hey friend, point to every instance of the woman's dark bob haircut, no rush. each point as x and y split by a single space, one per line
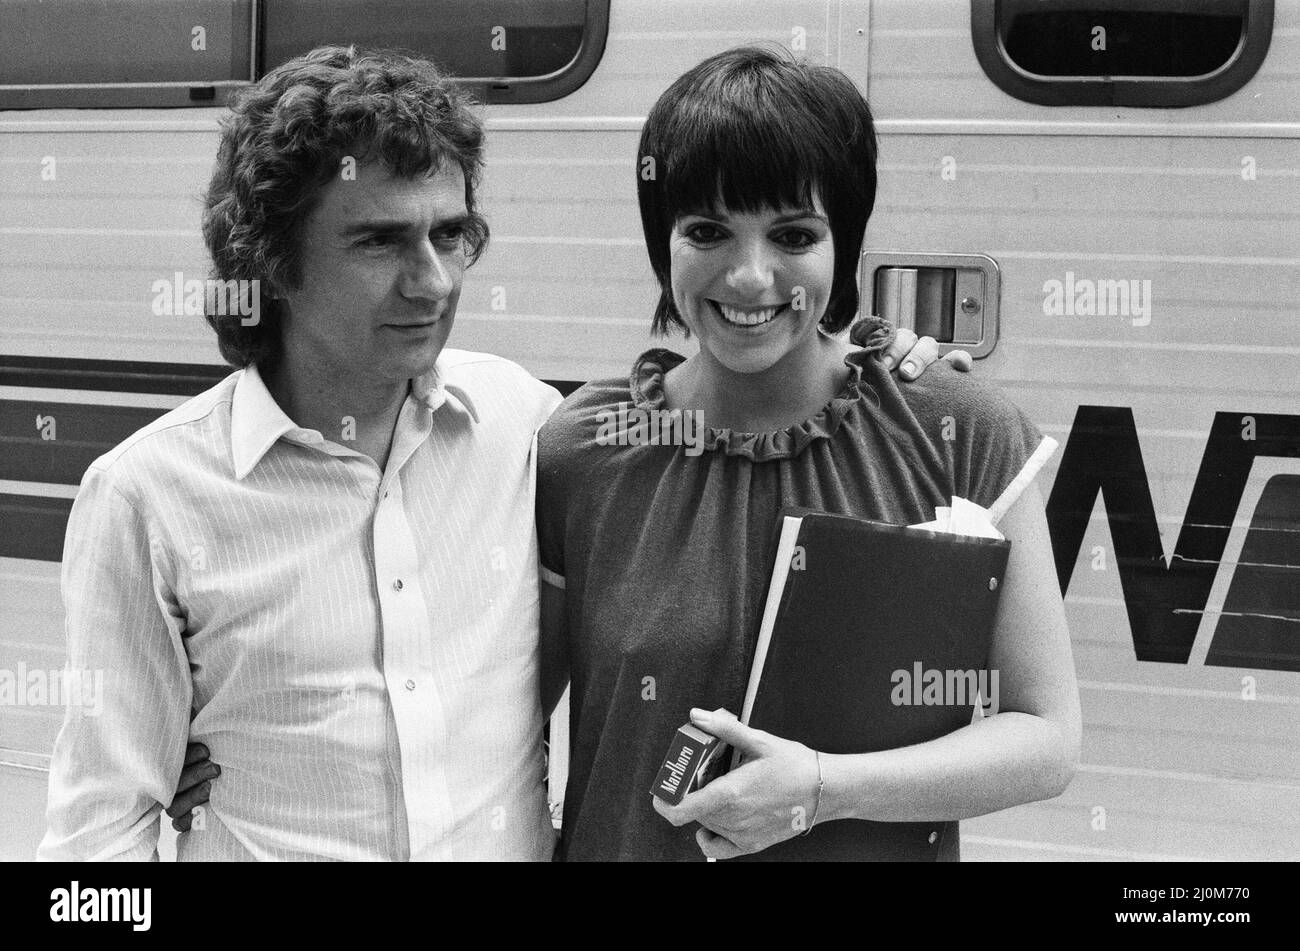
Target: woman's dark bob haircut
286 139
755 129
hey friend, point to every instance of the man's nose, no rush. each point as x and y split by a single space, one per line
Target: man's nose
751 272
428 273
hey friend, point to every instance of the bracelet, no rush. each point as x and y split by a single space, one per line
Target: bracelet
821 784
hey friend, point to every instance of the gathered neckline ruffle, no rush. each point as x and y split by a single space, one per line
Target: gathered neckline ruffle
871 334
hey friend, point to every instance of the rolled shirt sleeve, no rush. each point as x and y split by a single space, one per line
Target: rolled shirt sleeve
117 760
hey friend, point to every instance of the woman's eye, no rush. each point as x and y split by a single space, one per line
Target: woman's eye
797 239
703 233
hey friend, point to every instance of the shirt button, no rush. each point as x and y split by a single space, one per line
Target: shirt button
410 685
397 585
934 836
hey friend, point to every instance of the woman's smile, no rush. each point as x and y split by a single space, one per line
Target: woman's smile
747 317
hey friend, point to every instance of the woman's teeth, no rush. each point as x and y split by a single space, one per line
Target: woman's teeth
746 318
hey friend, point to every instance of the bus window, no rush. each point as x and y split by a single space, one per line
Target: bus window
503 50
122 53
145 53
1153 53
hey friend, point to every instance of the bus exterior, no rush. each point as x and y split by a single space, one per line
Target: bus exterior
1114 232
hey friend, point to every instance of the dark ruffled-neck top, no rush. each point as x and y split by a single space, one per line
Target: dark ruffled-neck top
646 387
661 533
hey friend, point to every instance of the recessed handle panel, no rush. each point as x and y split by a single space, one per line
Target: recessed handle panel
951 297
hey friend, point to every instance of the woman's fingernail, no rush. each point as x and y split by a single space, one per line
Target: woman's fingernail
909 367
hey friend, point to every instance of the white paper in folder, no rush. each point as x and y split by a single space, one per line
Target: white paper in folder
963 517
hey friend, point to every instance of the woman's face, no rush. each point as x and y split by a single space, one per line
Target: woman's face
752 287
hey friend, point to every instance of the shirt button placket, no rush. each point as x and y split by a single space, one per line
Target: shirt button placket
415 710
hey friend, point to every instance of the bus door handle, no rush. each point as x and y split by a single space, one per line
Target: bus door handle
953 298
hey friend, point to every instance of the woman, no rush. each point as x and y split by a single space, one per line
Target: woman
760 181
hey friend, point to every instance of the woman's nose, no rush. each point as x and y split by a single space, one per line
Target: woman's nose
752 271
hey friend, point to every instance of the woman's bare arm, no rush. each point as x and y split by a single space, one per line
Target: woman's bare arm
1028 750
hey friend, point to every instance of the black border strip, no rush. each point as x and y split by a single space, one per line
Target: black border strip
134 376
112 376
34 526
85 431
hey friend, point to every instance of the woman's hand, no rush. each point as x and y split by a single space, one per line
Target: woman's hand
770 798
194 786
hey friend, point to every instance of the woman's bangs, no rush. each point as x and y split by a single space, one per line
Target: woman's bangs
748 162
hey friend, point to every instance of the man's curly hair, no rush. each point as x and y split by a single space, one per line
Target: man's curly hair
286 138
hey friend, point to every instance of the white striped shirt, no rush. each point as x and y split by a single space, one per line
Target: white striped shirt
359 649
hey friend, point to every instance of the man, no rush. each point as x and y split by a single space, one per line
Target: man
323 568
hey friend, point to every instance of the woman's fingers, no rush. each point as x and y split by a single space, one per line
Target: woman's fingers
715 846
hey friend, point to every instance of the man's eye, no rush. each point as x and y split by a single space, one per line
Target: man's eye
449 235
375 241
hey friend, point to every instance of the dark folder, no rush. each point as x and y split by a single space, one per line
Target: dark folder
874 637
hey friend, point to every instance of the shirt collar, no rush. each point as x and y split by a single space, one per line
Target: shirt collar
432 390
257 422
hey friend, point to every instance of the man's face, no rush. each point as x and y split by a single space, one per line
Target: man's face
382 262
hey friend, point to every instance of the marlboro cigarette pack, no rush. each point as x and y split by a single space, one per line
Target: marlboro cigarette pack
692 762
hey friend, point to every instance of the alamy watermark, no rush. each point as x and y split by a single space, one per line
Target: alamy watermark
53 688
1083 297
179 297
633 426
77 904
922 687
